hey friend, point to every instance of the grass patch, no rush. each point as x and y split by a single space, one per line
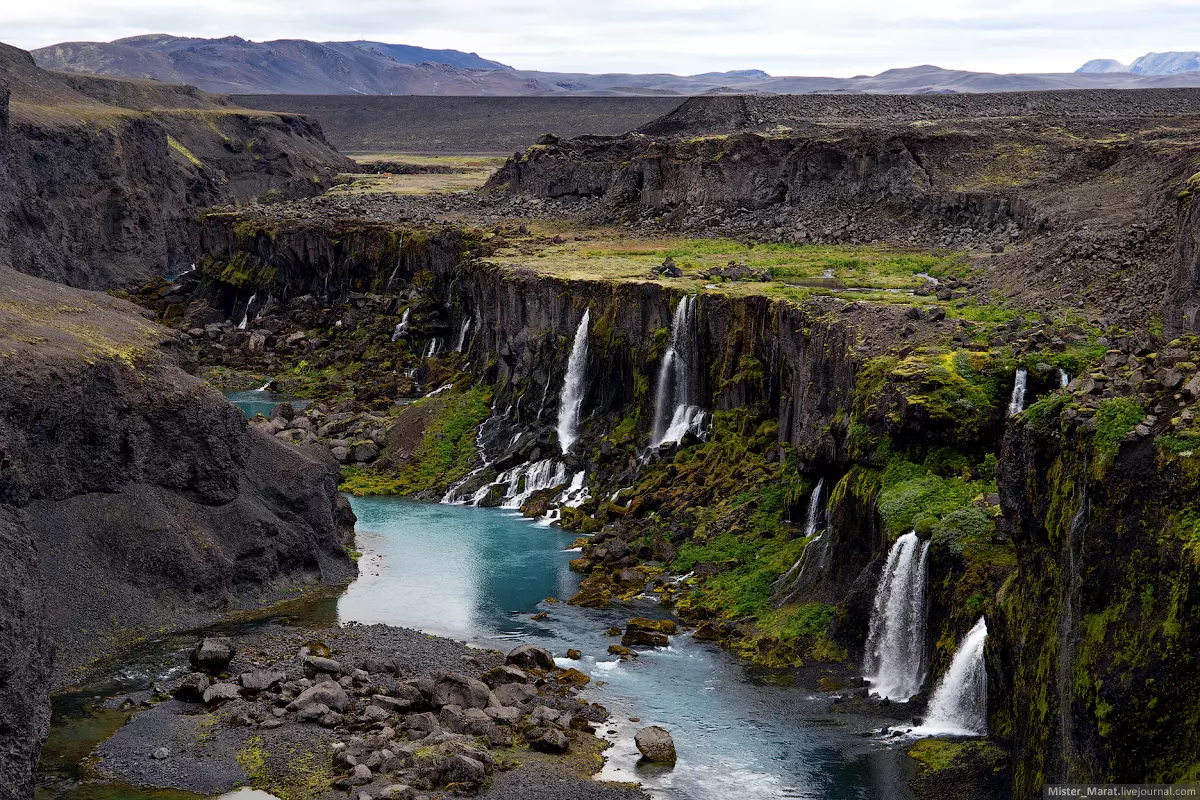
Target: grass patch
183 151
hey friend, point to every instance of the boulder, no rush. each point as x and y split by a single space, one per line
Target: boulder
464 769
512 693
529 657
454 688
655 744
498 676
367 451
260 680
212 655
504 715
652 625
191 689
552 741
633 638
327 693
220 692
313 712
316 664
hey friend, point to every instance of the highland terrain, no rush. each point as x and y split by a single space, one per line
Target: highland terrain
892 397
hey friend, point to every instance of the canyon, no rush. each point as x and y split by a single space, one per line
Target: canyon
895 387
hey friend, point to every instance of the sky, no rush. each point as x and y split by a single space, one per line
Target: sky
839 38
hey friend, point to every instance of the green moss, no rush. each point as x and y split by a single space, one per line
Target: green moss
446 453
810 619
911 495
253 759
183 151
1115 418
937 755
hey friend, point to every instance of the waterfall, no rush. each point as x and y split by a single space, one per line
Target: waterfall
1017 404
402 326
399 260
434 346
571 399
1063 378
525 480
462 335
894 663
816 512
674 414
959 706
246 316
265 386
814 559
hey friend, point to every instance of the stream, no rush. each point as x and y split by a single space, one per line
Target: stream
477 575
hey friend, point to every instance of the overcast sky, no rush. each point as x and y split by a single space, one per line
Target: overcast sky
785 37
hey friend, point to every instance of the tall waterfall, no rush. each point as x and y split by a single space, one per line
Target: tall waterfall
246 316
959 706
1063 378
571 399
894 663
402 326
674 414
435 345
814 559
1017 404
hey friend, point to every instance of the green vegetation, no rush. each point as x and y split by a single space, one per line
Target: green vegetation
183 151
915 497
445 454
604 253
1115 418
937 755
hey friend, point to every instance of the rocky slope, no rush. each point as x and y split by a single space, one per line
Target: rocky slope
133 498
1070 192
100 175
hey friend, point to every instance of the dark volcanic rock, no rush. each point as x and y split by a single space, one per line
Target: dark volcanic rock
213 654
132 498
107 203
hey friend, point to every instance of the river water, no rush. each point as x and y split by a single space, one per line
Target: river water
478 574
260 401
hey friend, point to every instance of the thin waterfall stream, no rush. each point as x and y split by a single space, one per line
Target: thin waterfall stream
959 705
1016 403
894 663
571 399
674 414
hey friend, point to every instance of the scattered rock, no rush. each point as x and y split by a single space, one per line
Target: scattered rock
529 657
212 655
655 744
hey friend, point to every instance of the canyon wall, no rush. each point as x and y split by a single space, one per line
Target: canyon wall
133 499
105 175
1087 611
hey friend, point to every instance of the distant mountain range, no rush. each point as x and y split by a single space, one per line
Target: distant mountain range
233 65
1149 64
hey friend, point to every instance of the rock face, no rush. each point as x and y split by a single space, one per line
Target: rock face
1103 605
98 194
132 498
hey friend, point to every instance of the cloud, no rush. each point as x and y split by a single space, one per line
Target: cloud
682 36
